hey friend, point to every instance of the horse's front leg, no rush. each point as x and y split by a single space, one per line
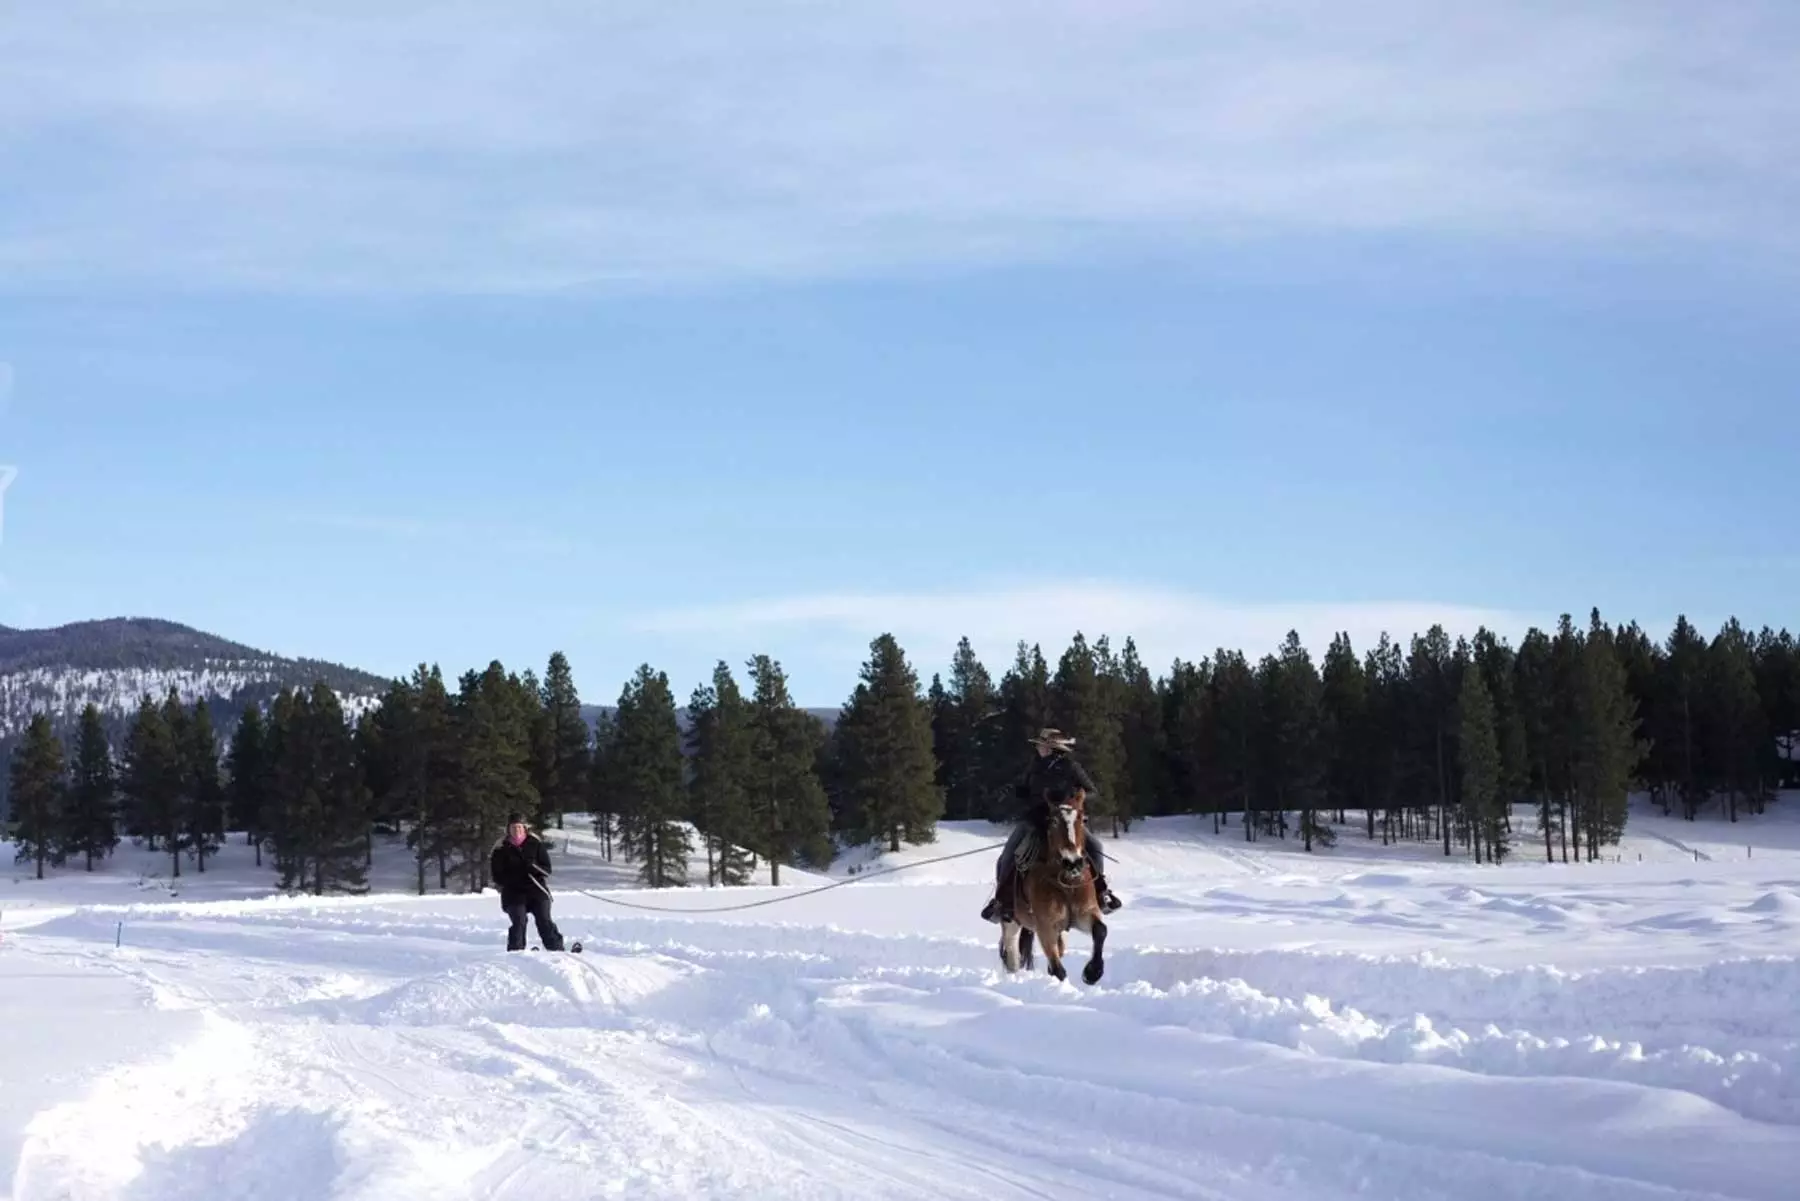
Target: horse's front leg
1054 944
1096 964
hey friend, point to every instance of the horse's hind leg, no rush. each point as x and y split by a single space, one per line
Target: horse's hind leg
1009 945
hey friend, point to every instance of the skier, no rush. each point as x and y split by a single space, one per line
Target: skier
518 867
1050 777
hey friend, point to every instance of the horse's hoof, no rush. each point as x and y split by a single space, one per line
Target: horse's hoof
1092 972
1057 971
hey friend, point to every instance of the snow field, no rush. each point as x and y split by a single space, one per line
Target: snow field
1360 1023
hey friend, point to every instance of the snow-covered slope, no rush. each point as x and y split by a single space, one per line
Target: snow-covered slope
113 664
64 692
1272 1026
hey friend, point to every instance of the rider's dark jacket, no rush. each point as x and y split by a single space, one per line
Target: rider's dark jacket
1049 779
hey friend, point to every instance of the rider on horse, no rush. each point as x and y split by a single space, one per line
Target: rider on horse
1051 777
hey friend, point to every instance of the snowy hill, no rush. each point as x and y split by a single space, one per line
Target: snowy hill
114 663
1363 1022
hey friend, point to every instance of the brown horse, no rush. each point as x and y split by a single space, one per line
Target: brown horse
1054 893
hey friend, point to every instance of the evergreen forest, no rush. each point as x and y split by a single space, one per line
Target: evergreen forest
1488 750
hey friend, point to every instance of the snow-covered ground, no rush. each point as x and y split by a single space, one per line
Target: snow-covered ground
1363 1022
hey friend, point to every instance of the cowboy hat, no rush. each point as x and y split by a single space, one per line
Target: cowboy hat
1049 736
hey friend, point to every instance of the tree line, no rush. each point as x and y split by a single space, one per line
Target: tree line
1437 740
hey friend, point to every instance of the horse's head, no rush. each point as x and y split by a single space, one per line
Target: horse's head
1067 836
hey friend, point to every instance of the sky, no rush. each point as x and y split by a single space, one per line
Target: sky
453 333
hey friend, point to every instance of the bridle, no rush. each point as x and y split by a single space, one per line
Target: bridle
1070 872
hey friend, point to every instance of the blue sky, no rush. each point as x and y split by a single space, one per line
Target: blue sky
443 336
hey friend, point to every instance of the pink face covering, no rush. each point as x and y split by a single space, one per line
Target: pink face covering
516 837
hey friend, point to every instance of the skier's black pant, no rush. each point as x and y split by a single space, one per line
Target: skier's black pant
537 905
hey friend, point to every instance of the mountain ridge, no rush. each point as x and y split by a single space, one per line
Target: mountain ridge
113 662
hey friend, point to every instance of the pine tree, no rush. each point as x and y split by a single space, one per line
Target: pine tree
1433 682
1232 756
38 789
317 821
565 754
493 734
883 740
1478 755
1638 656
965 725
1025 708
1384 669
1606 746
791 816
1187 724
1778 684
412 773
602 795
1498 665
434 788
1290 738
204 828
1344 704
1565 673
248 780
1680 727
1083 705
1146 775
340 856
937 699
179 816
380 749
1737 736
719 746
646 771
151 778
1534 690
91 822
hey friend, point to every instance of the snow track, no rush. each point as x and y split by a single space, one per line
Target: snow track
866 1045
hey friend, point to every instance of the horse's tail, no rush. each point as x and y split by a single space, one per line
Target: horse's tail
1027 941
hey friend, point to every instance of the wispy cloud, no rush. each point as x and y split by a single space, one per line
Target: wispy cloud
475 535
1165 623
409 146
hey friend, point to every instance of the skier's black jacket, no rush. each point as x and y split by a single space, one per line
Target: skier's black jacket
510 868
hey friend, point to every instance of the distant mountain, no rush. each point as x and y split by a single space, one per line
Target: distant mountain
114 663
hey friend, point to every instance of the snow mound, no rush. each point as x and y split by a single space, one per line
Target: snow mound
526 988
1780 902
